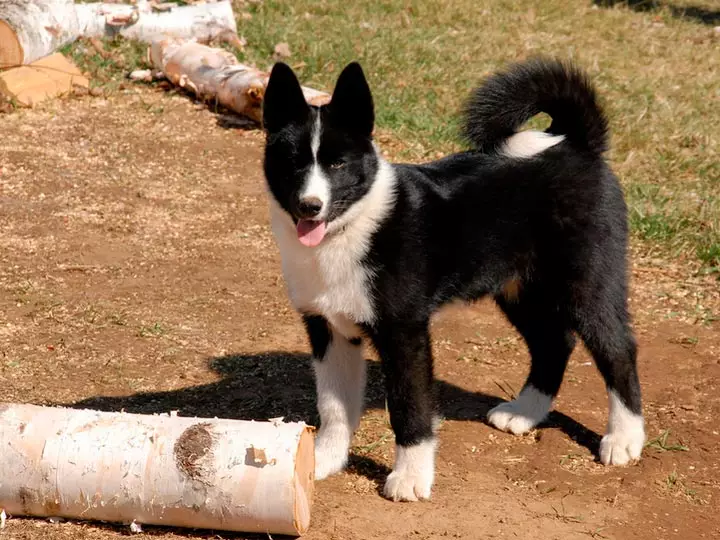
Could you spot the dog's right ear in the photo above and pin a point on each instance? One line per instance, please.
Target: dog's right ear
(284, 102)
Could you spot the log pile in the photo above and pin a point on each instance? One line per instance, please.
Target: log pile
(30, 30)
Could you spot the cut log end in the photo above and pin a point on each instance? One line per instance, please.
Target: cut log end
(48, 77)
(11, 51)
(304, 481)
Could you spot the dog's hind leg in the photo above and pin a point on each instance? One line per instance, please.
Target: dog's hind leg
(550, 341)
(340, 373)
(604, 326)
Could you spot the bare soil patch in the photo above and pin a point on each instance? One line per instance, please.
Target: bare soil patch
(138, 272)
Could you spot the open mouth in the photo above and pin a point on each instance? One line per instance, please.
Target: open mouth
(310, 232)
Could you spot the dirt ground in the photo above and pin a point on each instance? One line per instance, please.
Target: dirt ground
(138, 272)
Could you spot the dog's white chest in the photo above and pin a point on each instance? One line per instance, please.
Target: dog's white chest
(329, 279)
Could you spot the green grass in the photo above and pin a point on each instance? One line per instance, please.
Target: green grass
(661, 443)
(655, 66)
(684, 222)
(110, 69)
(655, 70)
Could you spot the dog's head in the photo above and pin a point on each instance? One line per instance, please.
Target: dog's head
(319, 161)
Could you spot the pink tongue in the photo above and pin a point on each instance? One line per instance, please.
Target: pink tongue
(310, 233)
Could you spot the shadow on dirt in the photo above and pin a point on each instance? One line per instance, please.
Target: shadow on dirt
(697, 14)
(268, 385)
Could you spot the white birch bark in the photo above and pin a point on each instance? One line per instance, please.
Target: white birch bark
(31, 29)
(164, 470)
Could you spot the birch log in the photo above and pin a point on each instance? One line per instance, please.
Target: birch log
(163, 470)
(213, 73)
(31, 29)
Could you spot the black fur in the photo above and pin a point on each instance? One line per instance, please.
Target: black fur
(346, 155)
(318, 333)
(465, 226)
(289, 109)
(507, 100)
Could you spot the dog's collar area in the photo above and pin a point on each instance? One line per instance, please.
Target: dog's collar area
(341, 230)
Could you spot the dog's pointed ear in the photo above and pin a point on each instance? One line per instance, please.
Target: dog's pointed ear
(284, 102)
(351, 106)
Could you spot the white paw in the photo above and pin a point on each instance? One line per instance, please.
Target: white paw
(405, 486)
(331, 456)
(625, 437)
(621, 448)
(414, 472)
(522, 414)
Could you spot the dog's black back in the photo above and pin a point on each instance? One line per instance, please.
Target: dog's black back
(551, 220)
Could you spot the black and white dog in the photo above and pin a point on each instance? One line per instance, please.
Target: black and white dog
(370, 250)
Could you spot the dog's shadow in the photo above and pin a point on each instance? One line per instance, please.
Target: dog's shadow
(273, 384)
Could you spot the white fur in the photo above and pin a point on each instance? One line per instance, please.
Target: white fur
(340, 380)
(329, 279)
(315, 137)
(625, 436)
(526, 144)
(523, 413)
(317, 183)
(414, 472)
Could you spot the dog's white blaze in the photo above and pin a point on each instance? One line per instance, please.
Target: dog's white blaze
(625, 436)
(414, 472)
(526, 144)
(523, 413)
(315, 137)
(317, 183)
(340, 381)
(330, 279)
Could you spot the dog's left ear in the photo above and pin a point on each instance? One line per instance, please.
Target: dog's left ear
(352, 103)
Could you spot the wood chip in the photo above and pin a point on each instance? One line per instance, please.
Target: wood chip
(282, 50)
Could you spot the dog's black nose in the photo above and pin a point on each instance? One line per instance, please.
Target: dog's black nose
(309, 207)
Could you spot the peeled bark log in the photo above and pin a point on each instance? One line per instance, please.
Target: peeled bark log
(31, 29)
(162, 470)
(213, 73)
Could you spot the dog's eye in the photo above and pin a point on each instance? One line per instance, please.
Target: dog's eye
(337, 164)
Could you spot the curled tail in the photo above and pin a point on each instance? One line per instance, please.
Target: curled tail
(498, 108)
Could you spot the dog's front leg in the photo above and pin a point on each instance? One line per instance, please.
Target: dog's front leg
(340, 381)
(407, 363)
